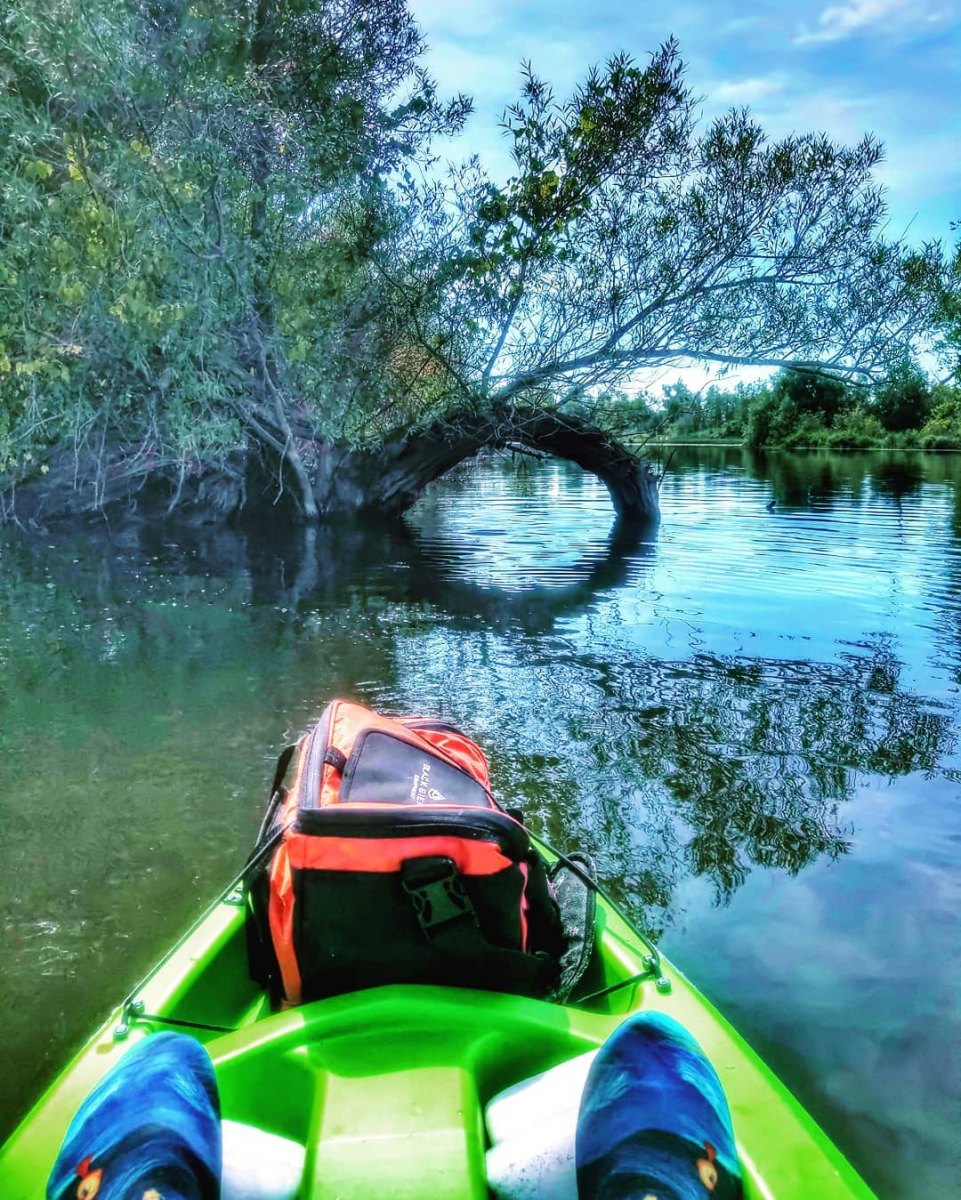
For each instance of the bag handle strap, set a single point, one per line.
(283, 764)
(278, 793)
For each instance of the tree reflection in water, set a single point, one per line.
(706, 765)
(711, 766)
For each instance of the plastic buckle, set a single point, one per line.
(437, 894)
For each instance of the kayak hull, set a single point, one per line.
(386, 1088)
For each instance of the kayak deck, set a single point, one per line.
(386, 1088)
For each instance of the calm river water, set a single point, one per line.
(751, 717)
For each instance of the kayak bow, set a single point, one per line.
(386, 1088)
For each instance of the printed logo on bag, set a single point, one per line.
(420, 790)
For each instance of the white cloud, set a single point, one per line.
(858, 16)
(787, 106)
(745, 91)
(741, 24)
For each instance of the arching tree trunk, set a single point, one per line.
(388, 480)
(384, 480)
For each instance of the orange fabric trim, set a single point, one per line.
(280, 914)
(460, 749)
(383, 855)
(291, 803)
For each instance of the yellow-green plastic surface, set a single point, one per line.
(386, 1088)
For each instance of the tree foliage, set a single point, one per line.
(949, 314)
(190, 192)
(627, 238)
(224, 247)
(793, 409)
(902, 399)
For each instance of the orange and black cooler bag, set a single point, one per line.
(392, 863)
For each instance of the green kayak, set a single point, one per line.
(386, 1089)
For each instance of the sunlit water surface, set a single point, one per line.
(749, 716)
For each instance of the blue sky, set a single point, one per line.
(890, 67)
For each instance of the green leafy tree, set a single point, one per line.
(949, 315)
(797, 408)
(902, 400)
(229, 262)
(682, 408)
(820, 395)
(942, 430)
(721, 412)
(190, 192)
(629, 238)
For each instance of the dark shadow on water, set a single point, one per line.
(897, 477)
(300, 568)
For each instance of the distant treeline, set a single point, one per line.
(798, 409)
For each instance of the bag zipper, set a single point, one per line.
(512, 839)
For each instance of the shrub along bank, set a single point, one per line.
(796, 410)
